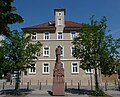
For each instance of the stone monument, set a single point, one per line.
(58, 75)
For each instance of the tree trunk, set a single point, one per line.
(16, 92)
(96, 80)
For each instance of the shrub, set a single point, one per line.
(98, 92)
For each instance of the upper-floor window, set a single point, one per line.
(59, 35)
(59, 21)
(75, 67)
(34, 36)
(46, 35)
(46, 51)
(46, 68)
(73, 34)
(32, 69)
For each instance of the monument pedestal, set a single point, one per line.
(58, 88)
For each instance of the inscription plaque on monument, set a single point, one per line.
(58, 74)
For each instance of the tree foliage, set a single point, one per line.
(8, 16)
(95, 49)
(3, 63)
(19, 51)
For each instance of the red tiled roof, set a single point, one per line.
(52, 25)
(72, 24)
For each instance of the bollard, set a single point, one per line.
(21, 82)
(46, 82)
(115, 83)
(78, 86)
(38, 82)
(71, 83)
(88, 83)
(30, 82)
(106, 84)
(80, 82)
(40, 86)
(65, 86)
(118, 85)
(10, 81)
(27, 85)
(3, 86)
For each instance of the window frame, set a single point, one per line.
(59, 22)
(32, 35)
(46, 55)
(71, 34)
(72, 70)
(72, 51)
(88, 71)
(61, 36)
(59, 13)
(62, 51)
(43, 68)
(46, 36)
(29, 70)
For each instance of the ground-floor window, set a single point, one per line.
(46, 68)
(89, 71)
(75, 67)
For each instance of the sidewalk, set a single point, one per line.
(113, 93)
(44, 93)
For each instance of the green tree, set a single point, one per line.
(95, 49)
(20, 52)
(4, 68)
(8, 16)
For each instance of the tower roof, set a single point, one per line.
(60, 9)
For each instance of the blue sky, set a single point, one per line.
(39, 11)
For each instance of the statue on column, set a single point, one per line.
(58, 74)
